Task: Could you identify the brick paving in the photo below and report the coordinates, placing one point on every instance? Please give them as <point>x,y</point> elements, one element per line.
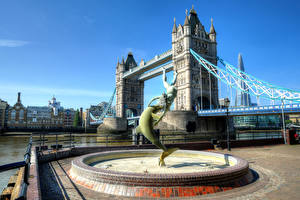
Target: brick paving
<point>278,168</point>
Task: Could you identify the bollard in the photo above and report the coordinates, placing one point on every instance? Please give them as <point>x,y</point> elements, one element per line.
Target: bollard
<point>134,137</point>
<point>56,141</point>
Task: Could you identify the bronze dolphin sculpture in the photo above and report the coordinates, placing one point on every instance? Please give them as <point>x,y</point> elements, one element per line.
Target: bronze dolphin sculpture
<point>149,118</point>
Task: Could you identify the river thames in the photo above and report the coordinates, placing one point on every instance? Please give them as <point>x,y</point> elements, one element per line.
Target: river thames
<point>12,148</point>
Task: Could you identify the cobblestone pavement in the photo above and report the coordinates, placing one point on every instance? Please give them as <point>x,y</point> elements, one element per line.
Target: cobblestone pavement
<point>278,168</point>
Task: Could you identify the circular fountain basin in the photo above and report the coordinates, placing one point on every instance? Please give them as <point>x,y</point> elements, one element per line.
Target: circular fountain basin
<point>134,171</point>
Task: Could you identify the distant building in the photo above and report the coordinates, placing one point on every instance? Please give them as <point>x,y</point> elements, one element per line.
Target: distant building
<point>257,122</point>
<point>242,98</point>
<point>81,117</point>
<point>57,119</point>
<point>55,106</point>
<point>69,115</point>
<point>3,114</point>
<point>51,116</point>
<point>43,117</point>
<point>38,117</point>
<point>17,115</point>
<point>97,110</point>
<point>86,118</point>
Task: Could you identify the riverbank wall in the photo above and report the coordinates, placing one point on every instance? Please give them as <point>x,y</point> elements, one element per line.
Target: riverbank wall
<point>68,129</point>
<point>39,157</point>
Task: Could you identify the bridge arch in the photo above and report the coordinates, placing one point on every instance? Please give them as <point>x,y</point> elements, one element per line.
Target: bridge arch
<point>131,112</point>
<point>205,103</point>
<point>192,77</point>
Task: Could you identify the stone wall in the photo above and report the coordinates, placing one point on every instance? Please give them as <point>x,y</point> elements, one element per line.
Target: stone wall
<point>111,125</point>
<point>197,146</point>
<point>177,121</point>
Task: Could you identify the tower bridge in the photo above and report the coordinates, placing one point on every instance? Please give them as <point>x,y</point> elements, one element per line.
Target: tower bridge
<point>130,77</point>
<point>158,60</point>
<point>194,56</point>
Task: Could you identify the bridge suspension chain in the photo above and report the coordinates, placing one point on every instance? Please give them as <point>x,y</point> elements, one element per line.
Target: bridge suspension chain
<point>233,76</point>
<point>201,92</point>
<point>106,109</point>
<point>210,105</point>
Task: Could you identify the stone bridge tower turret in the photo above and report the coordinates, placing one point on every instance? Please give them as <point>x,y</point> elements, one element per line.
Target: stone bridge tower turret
<point>129,91</point>
<point>196,87</point>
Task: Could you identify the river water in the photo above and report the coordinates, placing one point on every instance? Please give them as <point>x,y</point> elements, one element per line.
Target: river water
<point>12,149</point>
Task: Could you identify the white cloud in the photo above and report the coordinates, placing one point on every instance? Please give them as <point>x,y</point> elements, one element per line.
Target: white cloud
<point>13,43</point>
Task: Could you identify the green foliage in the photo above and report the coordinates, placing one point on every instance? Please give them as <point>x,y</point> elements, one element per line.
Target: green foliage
<point>76,119</point>
<point>288,121</point>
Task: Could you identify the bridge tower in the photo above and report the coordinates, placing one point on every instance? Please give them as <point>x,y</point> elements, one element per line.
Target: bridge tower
<point>129,91</point>
<point>197,89</point>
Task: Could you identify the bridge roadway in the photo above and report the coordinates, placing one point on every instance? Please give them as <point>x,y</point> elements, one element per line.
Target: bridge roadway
<point>154,67</point>
<point>243,111</point>
<point>254,110</point>
<point>151,64</point>
<point>156,72</point>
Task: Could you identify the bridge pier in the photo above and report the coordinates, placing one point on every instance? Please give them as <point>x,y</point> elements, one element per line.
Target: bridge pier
<point>113,125</point>
<point>208,127</point>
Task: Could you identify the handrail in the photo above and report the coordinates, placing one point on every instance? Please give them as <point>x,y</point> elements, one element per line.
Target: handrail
<point>26,164</point>
<point>150,62</point>
<point>132,139</point>
<point>19,164</point>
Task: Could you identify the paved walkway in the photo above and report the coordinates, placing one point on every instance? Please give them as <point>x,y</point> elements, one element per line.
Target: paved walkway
<point>278,168</point>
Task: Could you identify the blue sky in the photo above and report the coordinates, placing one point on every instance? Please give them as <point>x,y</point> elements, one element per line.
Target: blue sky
<point>69,48</point>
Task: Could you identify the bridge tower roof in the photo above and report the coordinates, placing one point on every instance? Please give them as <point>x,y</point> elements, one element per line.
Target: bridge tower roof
<point>186,21</point>
<point>212,28</point>
<point>130,62</point>
<point>192,11</point>
<point>174,26</point>
<point>193,17</point>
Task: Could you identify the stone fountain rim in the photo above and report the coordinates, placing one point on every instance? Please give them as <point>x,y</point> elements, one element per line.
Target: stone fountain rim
<point>241,166</point>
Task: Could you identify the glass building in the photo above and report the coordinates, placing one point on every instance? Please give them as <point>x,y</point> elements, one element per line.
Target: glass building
<point>257,122</point>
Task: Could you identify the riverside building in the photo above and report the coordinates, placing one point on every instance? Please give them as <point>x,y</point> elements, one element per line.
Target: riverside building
<point>17,115</point>
<point>3,114</point>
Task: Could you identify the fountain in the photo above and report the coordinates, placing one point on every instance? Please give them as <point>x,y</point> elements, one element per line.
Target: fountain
<point>135,173</point>
<point>144,172</point>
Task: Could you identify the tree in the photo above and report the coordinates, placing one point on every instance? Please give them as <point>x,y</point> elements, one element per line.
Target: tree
<point>287,121</point>
<point>76,119</point>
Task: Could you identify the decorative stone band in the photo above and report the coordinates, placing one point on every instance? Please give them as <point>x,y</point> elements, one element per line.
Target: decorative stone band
<point>227,177</point>
<point>160,192</point>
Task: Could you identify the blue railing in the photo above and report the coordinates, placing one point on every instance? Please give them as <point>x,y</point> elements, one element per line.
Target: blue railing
<point>26,164</point>
<point>150,62</point>
<point>254,110</point>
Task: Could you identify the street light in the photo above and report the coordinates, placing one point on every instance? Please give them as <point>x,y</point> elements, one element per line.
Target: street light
<point>283,122</point>
<point>226,102</point>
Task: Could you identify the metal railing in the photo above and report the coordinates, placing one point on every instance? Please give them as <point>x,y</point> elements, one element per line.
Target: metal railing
<point>53,139</point>
<point>70,140</point>
<point>57,141</point>
<point>149,62</point>
<point>252,110</point>
<point>256,135</point>
<point>26,164</point>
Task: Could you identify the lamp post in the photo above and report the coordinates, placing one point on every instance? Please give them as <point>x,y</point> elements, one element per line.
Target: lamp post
<point>283,122</point>
<point>227,103</point>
